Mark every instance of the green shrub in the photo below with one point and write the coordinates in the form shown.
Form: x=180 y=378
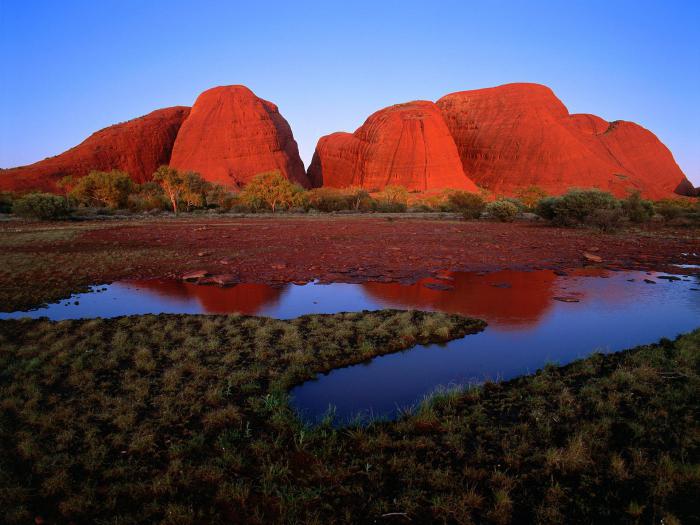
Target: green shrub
x=675 y=208
x=531 y=196
x=44 y=206
x=637 y=209
x=103 y=188
x=328 y=199
x=149 y=197
x=392 y=199
x=468 y=204
x=503 y=210
x=271 y=191
x=546 y=207
x=5 y=202
x=605 y=219
x=576 y=206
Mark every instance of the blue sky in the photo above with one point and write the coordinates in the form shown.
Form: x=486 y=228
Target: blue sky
x=72 y=67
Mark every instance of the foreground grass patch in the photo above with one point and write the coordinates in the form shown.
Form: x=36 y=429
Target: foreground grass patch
x=184 y=419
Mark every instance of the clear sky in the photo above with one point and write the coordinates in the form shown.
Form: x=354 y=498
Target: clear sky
x=69 y=68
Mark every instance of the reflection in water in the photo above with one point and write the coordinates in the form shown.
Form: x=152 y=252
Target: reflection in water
x=507 y=298
x=617 y=310
x=246 y=298
x=528 y=326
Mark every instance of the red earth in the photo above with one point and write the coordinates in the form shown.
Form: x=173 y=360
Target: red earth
x=138 y=147
x=232 y=135
x=405 y=145
x=517 y=135
x=359 y=249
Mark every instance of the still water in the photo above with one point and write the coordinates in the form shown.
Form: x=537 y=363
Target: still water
x=532 y=316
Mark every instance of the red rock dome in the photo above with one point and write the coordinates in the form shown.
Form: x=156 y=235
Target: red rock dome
x=406 y=144
x=138 y=147
x=518 y=135
x=232 y=135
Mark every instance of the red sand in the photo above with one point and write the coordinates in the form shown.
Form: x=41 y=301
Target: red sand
x=357 y=249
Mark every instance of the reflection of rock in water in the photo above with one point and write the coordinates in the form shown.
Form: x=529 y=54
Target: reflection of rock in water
x=247 y=298
x=507 y=298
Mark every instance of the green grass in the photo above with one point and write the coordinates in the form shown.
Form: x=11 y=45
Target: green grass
x=185 y=419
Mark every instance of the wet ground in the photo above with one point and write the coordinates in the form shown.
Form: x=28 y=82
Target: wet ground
x=535 y=317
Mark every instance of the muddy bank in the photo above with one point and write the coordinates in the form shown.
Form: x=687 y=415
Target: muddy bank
x=40 y=262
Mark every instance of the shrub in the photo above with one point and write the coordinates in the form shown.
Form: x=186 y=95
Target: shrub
x=531 y=196
x=392 y=199
x=271 y=191
x=575 y=207
x=546 y=207
x=328 y=199
x=5 y=202
x=605 y=219
x=674 y=208
x=149 y=197
x=503 y=210
x=194 y=190
x=469 y=204
x=219 y=197
x=359 y=198
x=44 y=206
x=636 y=208
x=171 y=181
x=102 y=188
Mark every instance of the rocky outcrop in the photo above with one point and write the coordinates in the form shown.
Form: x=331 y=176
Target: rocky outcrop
x=138 y=147
x=232 y=135
x=406 y=144
x=518 y=135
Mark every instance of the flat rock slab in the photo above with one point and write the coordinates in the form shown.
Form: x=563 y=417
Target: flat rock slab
x=195 y=275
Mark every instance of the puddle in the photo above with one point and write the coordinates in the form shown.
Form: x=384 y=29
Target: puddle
x=534 y=318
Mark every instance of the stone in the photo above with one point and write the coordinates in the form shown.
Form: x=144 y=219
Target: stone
x=405 y=145
x=138 y=146
x=231 y=135
x=518 y=135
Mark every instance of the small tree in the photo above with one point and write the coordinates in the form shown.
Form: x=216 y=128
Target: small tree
x=194 y=190
x=636 y=208
x=357 y=196
x=469 y=204
x=67 y=184
x=103 y=188
x=531 y=196
x=271 y=190
x=503 y=210
x=172 y=183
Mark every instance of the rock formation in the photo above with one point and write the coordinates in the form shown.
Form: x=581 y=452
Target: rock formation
x=138 y=146
x=232 y=135
x=406 y=144
x=517 y=135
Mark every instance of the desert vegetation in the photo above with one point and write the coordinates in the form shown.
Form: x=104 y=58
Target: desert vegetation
x=184 y=419
x=171 y=190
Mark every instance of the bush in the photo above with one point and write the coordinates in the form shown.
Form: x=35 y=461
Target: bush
x=605 y=219
x=44 y=206
x=637 y=209
x=392 y=199
x=219 y=197
x=102 y=188
x=468 y=204
x=149 y=197
x=674 y=208
x=5 y=202
x=503 y=210
x=328 y=199
x=546 y=207
x=271 y=191
x=578 y=207
x=531 y=196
